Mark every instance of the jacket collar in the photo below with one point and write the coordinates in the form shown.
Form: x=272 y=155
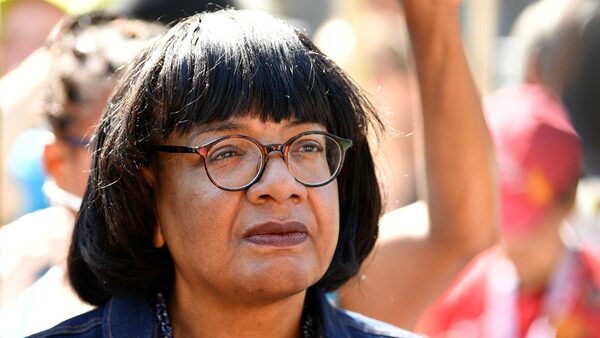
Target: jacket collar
x=332 y=324
x=128 y=317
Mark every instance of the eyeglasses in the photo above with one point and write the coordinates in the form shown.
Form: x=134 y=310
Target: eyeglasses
x=235 y=162
x=77 y=142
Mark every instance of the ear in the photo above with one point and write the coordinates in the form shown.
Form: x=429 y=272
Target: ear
x=569 y=197
x=159 y=240
x=53 y=158
x=150 y=177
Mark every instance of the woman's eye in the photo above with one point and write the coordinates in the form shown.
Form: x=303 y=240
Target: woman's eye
x=308 y=147
x=225 y=153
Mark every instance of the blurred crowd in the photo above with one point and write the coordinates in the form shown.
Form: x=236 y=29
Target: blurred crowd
x=538 y=275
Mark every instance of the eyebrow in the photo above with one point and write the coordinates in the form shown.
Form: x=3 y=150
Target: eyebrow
x=296 y=123
x=233 y=126
x=216 y=127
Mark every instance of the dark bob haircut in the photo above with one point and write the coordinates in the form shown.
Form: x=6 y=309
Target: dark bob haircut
x=213 y=67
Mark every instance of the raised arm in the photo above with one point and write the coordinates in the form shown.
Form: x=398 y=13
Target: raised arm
x=461 y=183
x=407 y=272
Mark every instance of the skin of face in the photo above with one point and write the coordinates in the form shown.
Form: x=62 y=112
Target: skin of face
x=69 y=165
x=206 y=228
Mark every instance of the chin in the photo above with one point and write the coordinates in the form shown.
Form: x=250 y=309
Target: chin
x=283 y=280
x=282 y=291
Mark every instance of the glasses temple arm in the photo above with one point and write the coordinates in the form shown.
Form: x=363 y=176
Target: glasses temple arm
x=176 y=149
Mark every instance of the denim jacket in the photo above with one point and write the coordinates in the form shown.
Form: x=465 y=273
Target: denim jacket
x=131 y=317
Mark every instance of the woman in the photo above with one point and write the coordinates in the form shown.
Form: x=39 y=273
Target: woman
x=217 y=203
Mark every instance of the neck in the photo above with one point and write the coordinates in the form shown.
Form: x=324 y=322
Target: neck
x=59 y=196
x=203 y=315
x=536 y=261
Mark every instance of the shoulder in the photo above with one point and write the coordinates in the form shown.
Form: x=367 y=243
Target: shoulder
x=30 y=245
x=465 y=298
x=86 y=325
x=590 y=258
x=119 y=317
x=362 y=326
x=471 y=282
x=340 y=323
x=37 y=234
x=43 y=223
x=410 y=221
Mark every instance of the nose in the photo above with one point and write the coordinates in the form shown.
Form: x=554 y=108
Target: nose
x=277 y=183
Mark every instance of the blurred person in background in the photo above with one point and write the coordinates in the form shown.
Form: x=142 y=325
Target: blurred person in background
x=421 y=246
x=24 y=26
x=19 y=103
x=545 y=281
x=581 y=35
x=560 y=46
x=540 y=281
x=21 y=170
x=18 y=37
x=85 y=56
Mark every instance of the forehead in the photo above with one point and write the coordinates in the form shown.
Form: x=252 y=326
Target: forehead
x=251 y=126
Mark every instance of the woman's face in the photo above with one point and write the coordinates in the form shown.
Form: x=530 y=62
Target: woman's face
x=270 y=241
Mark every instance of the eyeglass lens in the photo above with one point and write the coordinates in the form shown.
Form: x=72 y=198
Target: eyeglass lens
x=235 y=162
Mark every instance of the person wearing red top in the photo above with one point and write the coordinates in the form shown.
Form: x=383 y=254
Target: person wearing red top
x=540 y=281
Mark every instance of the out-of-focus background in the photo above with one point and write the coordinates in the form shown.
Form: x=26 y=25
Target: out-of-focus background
x=537 y=60
x=366 y=37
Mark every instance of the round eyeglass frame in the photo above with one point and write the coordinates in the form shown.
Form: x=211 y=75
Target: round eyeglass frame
x=265 y=150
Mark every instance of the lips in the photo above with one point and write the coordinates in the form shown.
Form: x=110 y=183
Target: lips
x=277 y=234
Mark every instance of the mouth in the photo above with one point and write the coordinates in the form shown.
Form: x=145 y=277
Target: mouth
x=277 y=234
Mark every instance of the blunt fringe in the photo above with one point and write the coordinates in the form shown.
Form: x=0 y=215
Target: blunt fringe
x=212 y=67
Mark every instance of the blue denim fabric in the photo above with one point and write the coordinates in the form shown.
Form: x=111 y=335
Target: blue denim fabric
x=131 y=317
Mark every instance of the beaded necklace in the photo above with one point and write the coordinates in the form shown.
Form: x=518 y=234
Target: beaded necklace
x=159 y=305
x=310 y=326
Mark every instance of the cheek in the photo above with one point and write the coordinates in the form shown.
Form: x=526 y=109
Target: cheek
x=183 y=207
x=195 y=219
x=326 y=206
